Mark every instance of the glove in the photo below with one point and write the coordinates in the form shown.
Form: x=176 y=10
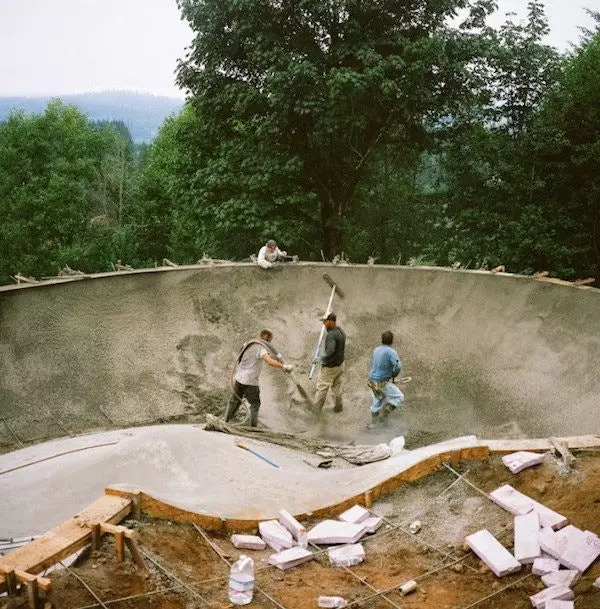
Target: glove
x=287 y=367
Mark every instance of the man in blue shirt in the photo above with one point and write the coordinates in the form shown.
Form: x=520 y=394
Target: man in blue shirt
x=385 y=367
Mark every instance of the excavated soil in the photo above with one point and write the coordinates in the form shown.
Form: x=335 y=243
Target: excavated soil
x=448 y=576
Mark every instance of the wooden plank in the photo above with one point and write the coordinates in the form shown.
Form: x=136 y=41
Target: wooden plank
x=106 y=527
x=541 y=444
x=65 y=539
x=43 y=582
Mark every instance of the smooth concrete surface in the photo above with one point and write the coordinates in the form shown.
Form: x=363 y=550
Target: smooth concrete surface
x=492 y=355
x=184 y=466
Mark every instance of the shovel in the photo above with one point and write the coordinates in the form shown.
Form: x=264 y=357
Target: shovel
x=334 y=289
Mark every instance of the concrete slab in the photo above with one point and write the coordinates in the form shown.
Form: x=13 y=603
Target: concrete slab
x=67 y=347
x=186 y=467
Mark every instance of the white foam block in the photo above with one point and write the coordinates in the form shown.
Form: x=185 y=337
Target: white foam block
x=564 y=577
x=248 y=542
x=517 y=462
x=516 y=503
x=275 y=535
x=572 y=547
x=493 y=553
x=347 y=556
x=551 y=543
x=355 y=514
x=582 y=548
x=527 y=537
x=291 y=524
x=331 y=532
x=554 y=604
x=290 y=558
x=560 y=593
x=542 y=566
x=372 y=523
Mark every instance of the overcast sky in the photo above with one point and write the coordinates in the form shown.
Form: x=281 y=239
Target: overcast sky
x=74 y=46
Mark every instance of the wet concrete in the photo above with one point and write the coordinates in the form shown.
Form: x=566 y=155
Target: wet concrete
x=182 y=465
x=492 y=355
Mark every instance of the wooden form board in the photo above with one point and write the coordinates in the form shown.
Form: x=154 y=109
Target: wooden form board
x=65 y=539
x=159 y=509
x=541 y=444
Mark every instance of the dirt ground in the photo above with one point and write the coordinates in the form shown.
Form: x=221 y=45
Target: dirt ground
x=448 y=576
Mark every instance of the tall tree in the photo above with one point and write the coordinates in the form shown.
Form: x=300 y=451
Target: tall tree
x=566 y=143
x=491 y=176
x=319 y=83
x=49 y=173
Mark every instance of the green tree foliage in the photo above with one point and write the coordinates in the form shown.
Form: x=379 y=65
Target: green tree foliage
x=489 y=176
x=566 y=146
x=312 y=87
x=52 y=167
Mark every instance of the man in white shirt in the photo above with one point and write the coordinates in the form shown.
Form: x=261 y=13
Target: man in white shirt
x=269 y=254
x=247 y=372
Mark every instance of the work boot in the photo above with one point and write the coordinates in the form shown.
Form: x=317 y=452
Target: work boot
x=375 y=421
x=387 y=410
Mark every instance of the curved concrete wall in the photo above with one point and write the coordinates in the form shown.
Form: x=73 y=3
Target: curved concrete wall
x=488 y=354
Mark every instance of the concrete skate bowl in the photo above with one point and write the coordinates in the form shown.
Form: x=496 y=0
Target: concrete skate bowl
x=491 y=355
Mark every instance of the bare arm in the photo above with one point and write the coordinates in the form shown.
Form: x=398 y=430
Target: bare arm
x=272 y=361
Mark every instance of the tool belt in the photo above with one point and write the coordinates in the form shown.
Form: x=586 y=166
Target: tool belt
x=377 y=386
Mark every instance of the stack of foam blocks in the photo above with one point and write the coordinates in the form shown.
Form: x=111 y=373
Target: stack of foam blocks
x=289 y=539
x=557 y=552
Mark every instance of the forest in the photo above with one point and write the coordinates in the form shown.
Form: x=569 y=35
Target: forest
x=407 y=132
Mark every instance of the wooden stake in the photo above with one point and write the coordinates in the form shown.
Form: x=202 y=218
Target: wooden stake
x=11 y=581
x=138 y=559
x=95 y=535
x=137 y=505
x=32 y=593
x=120 y=545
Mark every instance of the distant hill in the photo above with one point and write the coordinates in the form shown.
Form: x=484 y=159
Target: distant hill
x=142 y=113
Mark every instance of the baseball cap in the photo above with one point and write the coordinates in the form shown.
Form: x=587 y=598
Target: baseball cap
x=329 y=317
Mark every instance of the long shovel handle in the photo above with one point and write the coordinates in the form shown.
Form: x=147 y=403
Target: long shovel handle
x=327 y=311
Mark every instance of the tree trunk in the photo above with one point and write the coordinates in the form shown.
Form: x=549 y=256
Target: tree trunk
x=331 y=223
